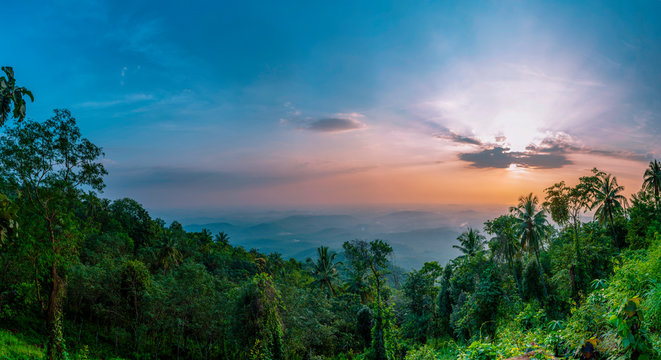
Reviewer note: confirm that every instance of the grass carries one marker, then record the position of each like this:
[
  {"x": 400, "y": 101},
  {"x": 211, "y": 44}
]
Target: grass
[{"x": 15, "y": 348}]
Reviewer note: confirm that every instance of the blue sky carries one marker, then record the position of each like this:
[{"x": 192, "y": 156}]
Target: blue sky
[{"x": 300, "y": 104}]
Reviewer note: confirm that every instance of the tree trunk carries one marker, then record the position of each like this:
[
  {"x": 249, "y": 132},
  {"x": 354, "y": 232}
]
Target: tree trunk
[
  {"x": 54, "y": 322},
  {"x": 610, "y": 216},
  {"x": 576, "y": 269},
  {"x": 516, "y": 279},
  {"x": 541, "y": 274},
  {"x": 378, "y": 341},
  {"x": 572, "y": 280}
]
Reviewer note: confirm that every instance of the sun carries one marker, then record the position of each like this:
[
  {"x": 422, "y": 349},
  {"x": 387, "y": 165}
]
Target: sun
[{"x": 516, "y": 169}]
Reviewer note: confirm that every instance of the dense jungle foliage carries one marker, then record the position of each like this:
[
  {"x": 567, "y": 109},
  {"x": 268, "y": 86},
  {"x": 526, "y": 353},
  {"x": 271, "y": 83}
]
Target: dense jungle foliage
[{"x": 86, "y": 277}]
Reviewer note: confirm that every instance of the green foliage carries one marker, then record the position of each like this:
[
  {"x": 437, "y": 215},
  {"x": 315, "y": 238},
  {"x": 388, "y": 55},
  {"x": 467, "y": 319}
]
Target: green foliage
[
  {"x": 14, "y": 348},
  {"x": 8, "y": 223},
  {"x": 12, "y": 100},
  {"x": 475, "y": 316},
  {"x": 472, "y": 242},
  {"x": 652, "y": 179},
  {"x": 628, "y": 322},
  {"x": 532, "y": 228},
  {"x": 426, "y": 352},
  {"x": 364, "y": 325},
  {"x": 257, "y": 325},
  {"x": 420, "y": 290},
  {"x": 608, "y": 200},
  {"x": 372, "y": 258},
  {"x": 653, "y": 305},
  {"x": 109, "y": 280},
  {"x": 324, "y": 271},
  {"x": 644, "y": 215}
]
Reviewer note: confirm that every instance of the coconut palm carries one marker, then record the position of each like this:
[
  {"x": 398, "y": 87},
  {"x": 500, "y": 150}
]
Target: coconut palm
[
  {"x": 505, "y": 247},
  {"x": 324, "y": 270},
  {"x": 652, "y": 179},
  {"x": 531, "y": 227},
  {"x": 222, "y": 238},
  {"x": 169, "y": 255},
  {"x": 359, "y": 284},
  {"x": 471, "y": 243},
  {"x": 608, "y": 200}
]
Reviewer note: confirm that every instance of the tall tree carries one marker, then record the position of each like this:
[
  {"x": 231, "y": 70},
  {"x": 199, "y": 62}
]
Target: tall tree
[
  {"x": 222, "y": 238},
  {"x": 133, "y": 219},
  {"x": 471, "y": 243},
  {"x": 504, "y": 244},
  {"x": 324, "y": 270},
  {"x": 48, "y": 164},
  {"x": 256, "y": 322},
  {"x": 11, "y": 97},
  {"x": 652, "y": 179},
  {"x": 169, "y": 254},
  {"x": 373, "y": 258},
  {"x": 608, "y": 200},
  {"x": 532, "y": 227},
  {"x": 8, "y": 223},
  {"x": 419, "y": 287},
  {"x": 565, "y": 204}
]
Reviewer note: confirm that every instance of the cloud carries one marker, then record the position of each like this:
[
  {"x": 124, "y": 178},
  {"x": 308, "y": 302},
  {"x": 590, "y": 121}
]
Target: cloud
[
  {"x": 128, "y": 99},
  {"x": 461, "y": 139},
  {"x": 499, "y": 157},
  {"x": 564, "y": 145},
  {"x": 333, "y": 125},
  {"x": 171, "y": 178},
  {"x": 551, "y": 153},
  {"x": 166, "y": 177}
]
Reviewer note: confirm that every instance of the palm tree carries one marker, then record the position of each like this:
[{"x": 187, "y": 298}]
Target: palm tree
[
  {"x": 358, "y": 284},
  {"x": 169, "y": 255},
  {"x": 324, "y": 270},
  {"x": 472, "y": 243},
  {"x": 222, "y": 238},
  {"x": 506, "y": 248},
  {"x": 652, "y": 179},
  {"x": 531, "y": 227},
  {"x": 608, "y": 200}
]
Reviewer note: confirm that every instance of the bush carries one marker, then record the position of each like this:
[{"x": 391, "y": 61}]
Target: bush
[
  {"x": 422, "y": 353},
  {"x": 653, "y": 305}
]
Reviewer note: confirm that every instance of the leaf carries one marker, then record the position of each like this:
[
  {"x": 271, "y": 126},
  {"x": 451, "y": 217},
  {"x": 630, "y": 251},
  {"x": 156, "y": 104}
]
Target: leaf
[
  {"x": 23, "y": 91},
  {"x": 9, "y": 71}
]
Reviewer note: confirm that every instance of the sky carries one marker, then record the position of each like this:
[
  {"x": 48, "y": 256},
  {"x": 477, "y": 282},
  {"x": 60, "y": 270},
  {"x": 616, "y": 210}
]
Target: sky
[{"x": 201, "y": 106}]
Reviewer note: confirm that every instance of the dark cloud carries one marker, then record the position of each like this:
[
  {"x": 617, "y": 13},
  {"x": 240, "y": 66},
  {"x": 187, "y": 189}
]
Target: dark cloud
[
  {"x": 499, "y": 157},
  {"x": 173, "y": 178},
  {"x": 329, "y": 125},
  {"x": 550, "y": 153},
  {"x": 563, "y": 146},
  {"x": 461, "y": 139}
]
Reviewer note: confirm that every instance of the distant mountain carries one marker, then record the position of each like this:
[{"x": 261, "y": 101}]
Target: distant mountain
[
  {"x": 214, "y": 228},
  {"x": 312, "y": 223},
  {"x": 416, "y": 236}
]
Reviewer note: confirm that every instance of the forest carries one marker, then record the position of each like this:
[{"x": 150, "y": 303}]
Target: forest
[{"x": 84, "y": 277}]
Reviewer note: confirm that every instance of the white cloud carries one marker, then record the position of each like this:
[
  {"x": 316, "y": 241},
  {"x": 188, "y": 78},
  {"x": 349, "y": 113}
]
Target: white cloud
[{"x": 127, "y": 99}]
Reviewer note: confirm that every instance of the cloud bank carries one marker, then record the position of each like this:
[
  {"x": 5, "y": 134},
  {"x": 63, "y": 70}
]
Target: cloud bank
[
  {"x": 333, "y": 125},
  {"x": 552, "y": 152}
]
